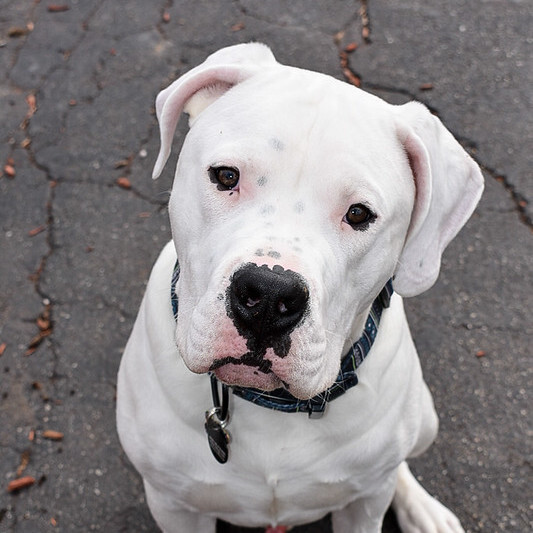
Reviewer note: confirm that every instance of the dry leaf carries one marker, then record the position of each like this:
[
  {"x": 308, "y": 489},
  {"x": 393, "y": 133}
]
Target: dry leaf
[
  {"x": 24, "y": 462},
  {"x": 166, "y": 16},
  {"x": 17, "y": 31},
  {"x": 10, "y": 171},
  {"x": 20, "y": 483},
  {"x": 426, "y": 86},
  {"x": 351, "y": 47},
  {"x": 337, "y": 38},
  {"x": 351, "y": 77},
  {"x": 58, "y": 8},
  {"x": 123, "y": 163},
  {"x": 36, "y": 231},
  {"x": 32, "y": 103},
  {"x": 124, "y": 182},
  {"x": 3, "y": 347},
  {"x": 52, "y": 435},
  {"x": 238, "y": 27},
  {"x": 480, "y": 353}
]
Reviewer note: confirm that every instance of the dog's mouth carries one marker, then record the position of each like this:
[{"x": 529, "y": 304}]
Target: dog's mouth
[
  {"x": 247, "y": 373},
  {"x": 251, "y": 359}
]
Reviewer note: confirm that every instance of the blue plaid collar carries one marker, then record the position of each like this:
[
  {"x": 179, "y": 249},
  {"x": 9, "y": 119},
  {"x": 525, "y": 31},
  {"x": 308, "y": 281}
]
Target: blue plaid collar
[{"x": 281, "y": 399}]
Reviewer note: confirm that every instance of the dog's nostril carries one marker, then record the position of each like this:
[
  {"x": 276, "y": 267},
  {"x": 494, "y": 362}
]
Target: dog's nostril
[{"x": 252, "y": 302}]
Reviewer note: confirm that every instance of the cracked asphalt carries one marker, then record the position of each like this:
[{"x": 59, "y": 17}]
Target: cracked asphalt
[{"x": 82, "y": 223}]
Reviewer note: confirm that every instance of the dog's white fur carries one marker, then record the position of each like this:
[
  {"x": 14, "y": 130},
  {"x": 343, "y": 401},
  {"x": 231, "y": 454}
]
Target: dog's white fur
[{"x": 307, "y": 148}]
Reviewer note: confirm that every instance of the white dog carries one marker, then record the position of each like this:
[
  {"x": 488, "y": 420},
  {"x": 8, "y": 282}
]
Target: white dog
[{"x": 296, "y": 199}]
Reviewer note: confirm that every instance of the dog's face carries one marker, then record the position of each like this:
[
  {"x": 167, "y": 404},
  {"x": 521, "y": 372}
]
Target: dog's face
[
  {"x": 289, "y": 214},
  {"x": 296, "y": 197}
]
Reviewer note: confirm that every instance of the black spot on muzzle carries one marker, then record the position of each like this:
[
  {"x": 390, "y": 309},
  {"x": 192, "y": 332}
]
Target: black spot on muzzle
[{"x": 266, "y": 305}]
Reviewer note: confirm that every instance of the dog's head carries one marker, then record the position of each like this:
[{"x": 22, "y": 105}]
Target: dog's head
[{"x": 296, "y": 197}]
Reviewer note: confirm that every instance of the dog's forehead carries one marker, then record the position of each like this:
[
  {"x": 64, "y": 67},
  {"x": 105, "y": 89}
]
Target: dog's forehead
[{"x": 293, "y": 111}]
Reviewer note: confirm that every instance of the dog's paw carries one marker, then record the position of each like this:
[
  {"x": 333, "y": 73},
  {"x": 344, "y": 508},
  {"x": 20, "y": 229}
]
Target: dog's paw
[
  {"x": 426, "y": 515},
  {"x": 417, "y": 511}
]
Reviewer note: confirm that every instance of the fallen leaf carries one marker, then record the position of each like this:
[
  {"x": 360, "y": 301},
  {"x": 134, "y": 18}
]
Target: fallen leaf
[
  {"x": 32, "y": 103},
  {"x": 31, "y": 435},
  {"x": 238, "y": 27},
  {"x": 166, "y": 16},
  {"x": 426, "y": 86},
  {"x": 365, "y": 32},
  {"x": 337, "y": 38},
  {"x": 37, "y": 340},
  {"x": 25, "y": 143},
  {"x": 43, "y": 323},
  {"x": 53, "y": 521},
  {"x": 124, "y": 182},
  {"x": 57, "y": 8},
  {"x": 20, "y": 483},
  {"x": 24, "y": 462},
  {"x": 36, "y": 231},
  {"x": 17, "y": 31},
  {"x": 10, "y": 171},
  {"x": 344, "y": 59},
  {"x": 123, "y": 163},
  {"x": 480, "y": 353},
  {"x": 3, "y": 347},
  {"x": 351, "y": 47},
  {"x": 72, "y": 102},
  {"x": 52, "y": 435},
  {"x": 351, "y": 77}
]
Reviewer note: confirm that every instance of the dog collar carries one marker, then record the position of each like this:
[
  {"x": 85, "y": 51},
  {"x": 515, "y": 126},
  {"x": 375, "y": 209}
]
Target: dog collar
[{"x": 282, "y": 400}]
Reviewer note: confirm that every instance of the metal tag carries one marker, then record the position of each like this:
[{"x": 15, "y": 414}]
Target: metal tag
[{"x": 217, "y": 437}]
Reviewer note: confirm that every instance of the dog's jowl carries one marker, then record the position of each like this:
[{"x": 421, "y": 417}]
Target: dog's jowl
[{"x": 302, "y": 211}]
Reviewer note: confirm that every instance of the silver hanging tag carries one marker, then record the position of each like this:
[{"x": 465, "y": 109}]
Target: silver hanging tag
[
  {"x": 216, "y": 420},
  {"x": 218, "y": 437}
]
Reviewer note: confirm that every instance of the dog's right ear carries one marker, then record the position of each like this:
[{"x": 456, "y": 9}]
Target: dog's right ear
[{"x": 218, "y": 73}]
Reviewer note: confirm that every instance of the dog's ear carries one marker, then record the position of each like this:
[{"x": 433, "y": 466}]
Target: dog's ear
[
  {"x": 448, "y": 186},
  {"x": 218, "y": 73}
]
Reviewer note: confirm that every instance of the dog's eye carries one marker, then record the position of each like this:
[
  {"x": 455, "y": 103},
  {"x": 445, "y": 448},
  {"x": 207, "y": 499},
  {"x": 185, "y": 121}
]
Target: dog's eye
[
  {"x": 359, "y": 216},
  {"x": 226, "y": 177}
]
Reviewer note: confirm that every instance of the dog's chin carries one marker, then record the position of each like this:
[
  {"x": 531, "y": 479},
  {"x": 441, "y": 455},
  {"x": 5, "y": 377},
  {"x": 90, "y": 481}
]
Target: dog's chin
[
  {"x": 247, "y": 376},
  {"x": 251, "y": 377}
]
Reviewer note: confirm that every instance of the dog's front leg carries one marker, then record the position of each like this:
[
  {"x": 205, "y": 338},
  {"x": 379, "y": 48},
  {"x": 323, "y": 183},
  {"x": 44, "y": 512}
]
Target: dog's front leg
[
  {"x": 171, "y": 519},
  {"x": 417, "y": 511},
  {"x": 365, "y": 515}
]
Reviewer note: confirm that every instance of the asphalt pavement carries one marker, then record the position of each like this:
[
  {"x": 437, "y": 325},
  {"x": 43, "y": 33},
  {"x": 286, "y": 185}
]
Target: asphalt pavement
[{"x": 82, "y": 222}]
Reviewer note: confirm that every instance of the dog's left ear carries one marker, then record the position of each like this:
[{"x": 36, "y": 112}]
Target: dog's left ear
[
  {"x": 448, "y": 186},
  {"x": 207, "y": 82}
]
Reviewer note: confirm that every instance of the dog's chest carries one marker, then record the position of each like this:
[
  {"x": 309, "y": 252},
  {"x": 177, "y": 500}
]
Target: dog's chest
[{"x": 287, "y": 473}]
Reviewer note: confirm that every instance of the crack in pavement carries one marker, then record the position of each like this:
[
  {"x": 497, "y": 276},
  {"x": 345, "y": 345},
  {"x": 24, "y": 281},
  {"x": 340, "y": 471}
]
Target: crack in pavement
[{"x": 355, "y": 78}]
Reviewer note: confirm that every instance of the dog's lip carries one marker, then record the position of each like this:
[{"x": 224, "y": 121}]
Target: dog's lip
[{"x": 247, "y": 376}]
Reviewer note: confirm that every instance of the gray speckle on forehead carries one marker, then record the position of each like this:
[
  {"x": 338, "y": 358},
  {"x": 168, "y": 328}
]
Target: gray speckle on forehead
[
  {"x": 262, "y": 181},
  {"x": 267, "y": 209},
  {"x": 299, "y": 207},
  {"x": 276, "y": 144},
  {"x": 259, "y": 252},
  {"x": 274, "y": 254}
]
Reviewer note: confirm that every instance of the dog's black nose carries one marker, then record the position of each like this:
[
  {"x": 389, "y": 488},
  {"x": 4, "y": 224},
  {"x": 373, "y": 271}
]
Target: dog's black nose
[{"x": 267, "y": 303}]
